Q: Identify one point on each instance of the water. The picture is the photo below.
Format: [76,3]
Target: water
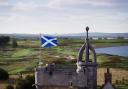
[120,50]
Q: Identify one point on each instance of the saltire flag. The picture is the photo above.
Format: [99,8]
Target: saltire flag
[48,41]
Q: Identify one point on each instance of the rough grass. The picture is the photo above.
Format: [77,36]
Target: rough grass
[28,51]
[122,86]
[112,61]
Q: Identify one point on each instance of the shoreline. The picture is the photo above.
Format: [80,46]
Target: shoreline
[116,45]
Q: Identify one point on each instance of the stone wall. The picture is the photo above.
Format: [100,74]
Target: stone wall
[59,88]
[60,78]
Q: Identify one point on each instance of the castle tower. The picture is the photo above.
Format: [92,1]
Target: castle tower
[85,77]
[89,66]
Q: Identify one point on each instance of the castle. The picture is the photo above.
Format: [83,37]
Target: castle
[83,77]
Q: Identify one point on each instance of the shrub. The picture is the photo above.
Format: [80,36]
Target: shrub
[26,83]
[3,74]
[20,84]
[9,87]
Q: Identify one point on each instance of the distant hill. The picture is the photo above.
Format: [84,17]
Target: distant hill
[72,35]
[96,35]
[22,36]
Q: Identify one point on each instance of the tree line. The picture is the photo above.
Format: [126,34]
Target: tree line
[4,41]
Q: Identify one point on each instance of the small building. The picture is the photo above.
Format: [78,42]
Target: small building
[108,80]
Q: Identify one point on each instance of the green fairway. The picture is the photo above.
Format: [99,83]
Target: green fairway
[22,52]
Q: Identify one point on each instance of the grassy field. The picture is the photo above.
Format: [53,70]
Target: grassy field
[24,58]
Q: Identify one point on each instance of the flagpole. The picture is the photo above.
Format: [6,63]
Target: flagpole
[40,52]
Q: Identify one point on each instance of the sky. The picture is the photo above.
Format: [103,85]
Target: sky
[63,16]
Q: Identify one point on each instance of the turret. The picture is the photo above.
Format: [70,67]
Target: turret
[87,47]
[88,66]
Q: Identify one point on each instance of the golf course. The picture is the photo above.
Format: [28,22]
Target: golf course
[24,58]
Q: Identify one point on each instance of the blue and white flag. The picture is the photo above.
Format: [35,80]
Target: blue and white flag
[48,41]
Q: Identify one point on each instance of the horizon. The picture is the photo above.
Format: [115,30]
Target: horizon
[63,16]
[65,33]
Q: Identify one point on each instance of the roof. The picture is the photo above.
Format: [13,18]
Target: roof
[108,85]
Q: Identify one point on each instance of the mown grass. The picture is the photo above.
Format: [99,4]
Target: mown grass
[22,52]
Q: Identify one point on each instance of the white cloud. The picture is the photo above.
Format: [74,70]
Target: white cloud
[62,3]
[21,6]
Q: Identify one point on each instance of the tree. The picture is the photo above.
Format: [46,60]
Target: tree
[26,83]
[14,43]
[3,74]
[120,37]
[4,40]
[99,38]
[29,80]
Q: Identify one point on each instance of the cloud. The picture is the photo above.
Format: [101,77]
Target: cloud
[62,3]
[61,14]
[3,1]
[21,6]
